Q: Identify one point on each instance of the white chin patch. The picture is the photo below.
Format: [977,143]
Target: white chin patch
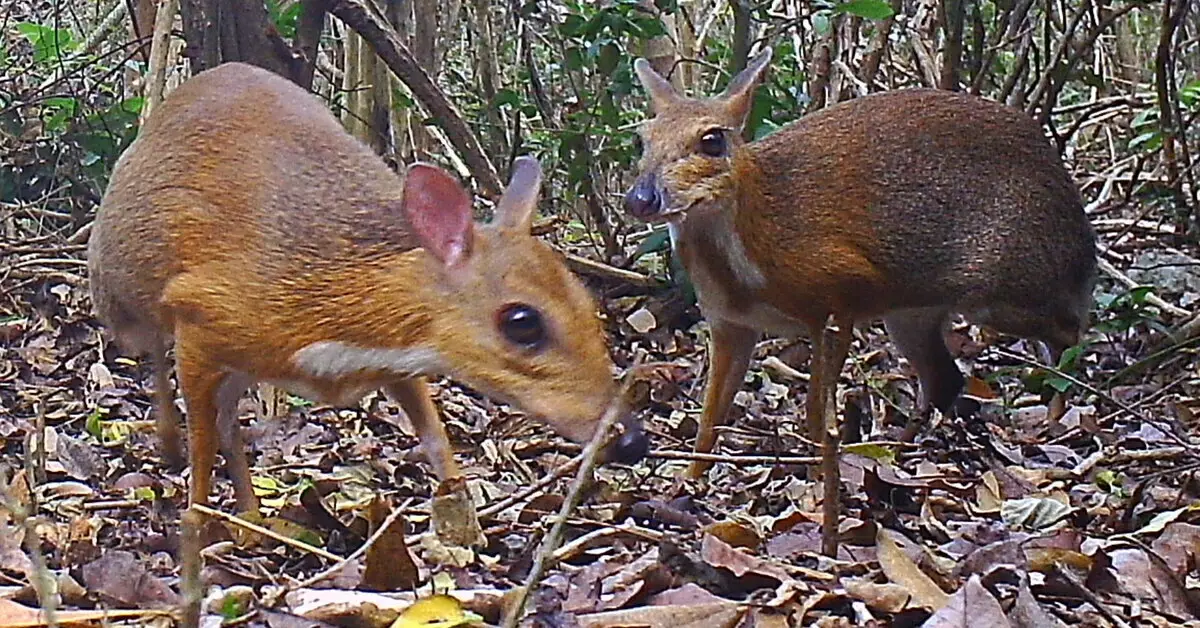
[331,359]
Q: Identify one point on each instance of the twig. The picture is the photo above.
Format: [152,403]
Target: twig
[667,454]
[580,544]
[160,44]
[511,500]
[585,266]
[333,569]
[242,523]
[1151,298]
[554,537]
[191,589]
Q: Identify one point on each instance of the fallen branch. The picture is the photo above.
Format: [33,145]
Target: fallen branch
[585,266]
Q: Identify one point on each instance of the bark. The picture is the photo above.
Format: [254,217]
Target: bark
[142,15]
[878,47]
[309,27]
[386,43]
[741,34]
[487,71]
[218,31]
[952,27]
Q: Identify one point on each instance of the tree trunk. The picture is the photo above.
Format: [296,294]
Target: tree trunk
[218,31]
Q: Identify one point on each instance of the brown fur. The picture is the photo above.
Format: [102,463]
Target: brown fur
[911,204]
[244,224]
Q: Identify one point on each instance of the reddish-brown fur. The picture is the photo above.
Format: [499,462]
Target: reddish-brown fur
[908,205]
[245,225]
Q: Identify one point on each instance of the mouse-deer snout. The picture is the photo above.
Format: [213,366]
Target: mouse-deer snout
[644,200]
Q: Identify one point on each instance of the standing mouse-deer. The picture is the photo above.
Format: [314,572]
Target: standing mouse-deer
[248,229]
[909,206]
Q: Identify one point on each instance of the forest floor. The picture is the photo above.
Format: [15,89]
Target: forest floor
[1005,519]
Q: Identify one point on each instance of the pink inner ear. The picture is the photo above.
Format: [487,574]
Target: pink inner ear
[439,211]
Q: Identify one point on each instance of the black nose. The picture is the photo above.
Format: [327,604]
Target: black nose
[643,200]
[631,446]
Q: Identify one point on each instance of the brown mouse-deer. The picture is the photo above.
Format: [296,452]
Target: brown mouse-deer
[908,206]
[248,229]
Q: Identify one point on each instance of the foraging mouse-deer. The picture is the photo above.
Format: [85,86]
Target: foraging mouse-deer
[248,229]
[909,205]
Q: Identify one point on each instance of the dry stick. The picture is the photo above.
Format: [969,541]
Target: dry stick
[554,537]
[667,454]
[511,500]
[190,587]
[242,523]
[1151,298]
[160,44]
[333,569]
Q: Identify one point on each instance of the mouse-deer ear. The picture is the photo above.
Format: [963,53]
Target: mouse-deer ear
[659,89]
[739,94]
[439,211]
[515,209]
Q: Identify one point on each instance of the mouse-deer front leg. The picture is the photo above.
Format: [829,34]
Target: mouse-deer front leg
[729,350]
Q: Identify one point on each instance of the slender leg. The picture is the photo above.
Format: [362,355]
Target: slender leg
[232,445]
[918,335]
[814,403]
[200,382]
[836,349]
[729,357]
[167,417]
[413,395]
[453,512]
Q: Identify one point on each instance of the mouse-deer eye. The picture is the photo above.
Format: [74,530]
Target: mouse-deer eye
[522,325]
[713,143]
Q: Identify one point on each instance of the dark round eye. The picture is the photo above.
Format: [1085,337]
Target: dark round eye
[522,325]
[712,143]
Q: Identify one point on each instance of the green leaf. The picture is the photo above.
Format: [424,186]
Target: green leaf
[871,450]
[572,25]
[869,9]
[608,58]
[820,21]
[573,59]
[656,242]
[1189,94]
[1061,384]
[506,97]
[92,424]
[49,44]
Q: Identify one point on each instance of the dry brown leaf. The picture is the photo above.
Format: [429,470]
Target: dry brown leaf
[735,534]
[389,565]
[1151,580]
[973,605]
[1027,613]
[119,578]
[901,570]
[454,517]
[718,553]
[720,615]
[1178,546]
[889,598]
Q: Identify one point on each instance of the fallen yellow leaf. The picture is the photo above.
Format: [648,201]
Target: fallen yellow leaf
[437,611]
